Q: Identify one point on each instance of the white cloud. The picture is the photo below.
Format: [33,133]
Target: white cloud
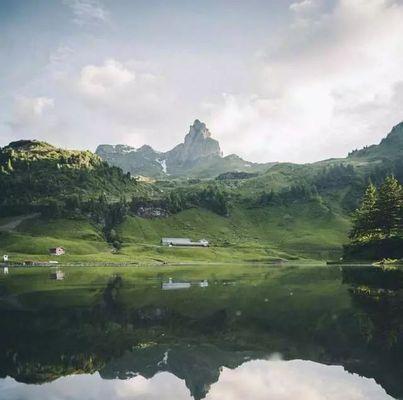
[128,98]
[33,107]
[100,80]
[303,6]
[114,102]
[88,12]
[316,82]
[29,113]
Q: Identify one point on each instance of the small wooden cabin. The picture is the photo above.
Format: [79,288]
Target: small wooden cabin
[57,251]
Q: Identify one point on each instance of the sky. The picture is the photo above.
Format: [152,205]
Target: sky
[274,80]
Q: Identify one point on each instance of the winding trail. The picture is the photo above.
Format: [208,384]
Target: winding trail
[10,226]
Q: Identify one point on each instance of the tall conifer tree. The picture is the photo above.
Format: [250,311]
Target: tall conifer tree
[389,206]
[366,216]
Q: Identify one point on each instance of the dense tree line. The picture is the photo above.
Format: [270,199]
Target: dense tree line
[210,197]
[380,214]
[108,215]
[336,176]
[286,196]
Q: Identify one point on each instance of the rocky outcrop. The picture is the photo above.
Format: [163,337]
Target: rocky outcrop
[142,161]
[198,144]
[151,212]
[199,155]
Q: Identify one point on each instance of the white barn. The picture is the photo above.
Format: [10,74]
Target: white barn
[183,242]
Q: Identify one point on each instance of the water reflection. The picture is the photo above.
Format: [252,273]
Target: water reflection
[258,380]
[113,333]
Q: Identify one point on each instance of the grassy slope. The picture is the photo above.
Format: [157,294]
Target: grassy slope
[33,238]
[256,234]
[302,229]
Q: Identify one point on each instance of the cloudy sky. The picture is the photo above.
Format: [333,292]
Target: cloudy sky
[274,80]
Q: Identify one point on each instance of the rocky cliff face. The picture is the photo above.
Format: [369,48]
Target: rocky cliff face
[197,147]
[198,155]
[198,144]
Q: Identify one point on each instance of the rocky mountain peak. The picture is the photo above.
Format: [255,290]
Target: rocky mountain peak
[145,148]
[198,131]
[198,144]
[198,148]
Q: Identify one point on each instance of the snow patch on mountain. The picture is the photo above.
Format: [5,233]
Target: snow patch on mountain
[163,164]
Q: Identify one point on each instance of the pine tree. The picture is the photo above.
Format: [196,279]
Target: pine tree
[389,206]
[365,217]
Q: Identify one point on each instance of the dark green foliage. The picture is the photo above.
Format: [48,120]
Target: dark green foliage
[236,175]
[389,205]
[366,216]
[391,279]
[210,197]
[35,176]
[380,212]
[377,224]
[300,193]
[336,176]
[374,249]
[108,216]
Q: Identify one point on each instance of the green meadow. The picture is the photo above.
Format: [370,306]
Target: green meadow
[246,235]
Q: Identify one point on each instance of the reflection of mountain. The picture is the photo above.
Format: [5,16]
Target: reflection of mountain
[198,365]
[256,379]
[130,330]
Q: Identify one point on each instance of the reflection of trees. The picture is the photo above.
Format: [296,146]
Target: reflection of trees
[387,278]
[377,298]
[42,345]
[129,331]
[378,294]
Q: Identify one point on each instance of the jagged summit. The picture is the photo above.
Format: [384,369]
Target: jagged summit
[196,130]
[199,151]
[198,144]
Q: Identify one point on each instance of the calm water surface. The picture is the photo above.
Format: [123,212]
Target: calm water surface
[222,332]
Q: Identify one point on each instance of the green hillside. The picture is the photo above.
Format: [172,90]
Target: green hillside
[36,176]
[303,231]
[98,213]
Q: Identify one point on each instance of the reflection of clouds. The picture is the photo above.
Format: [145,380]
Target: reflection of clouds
[276,380]
[163,386]
[291,380]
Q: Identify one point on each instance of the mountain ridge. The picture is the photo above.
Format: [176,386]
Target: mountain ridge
[198,156]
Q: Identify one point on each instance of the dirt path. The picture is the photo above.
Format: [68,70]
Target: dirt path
[10,226]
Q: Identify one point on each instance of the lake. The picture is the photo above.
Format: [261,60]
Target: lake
[201,332]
